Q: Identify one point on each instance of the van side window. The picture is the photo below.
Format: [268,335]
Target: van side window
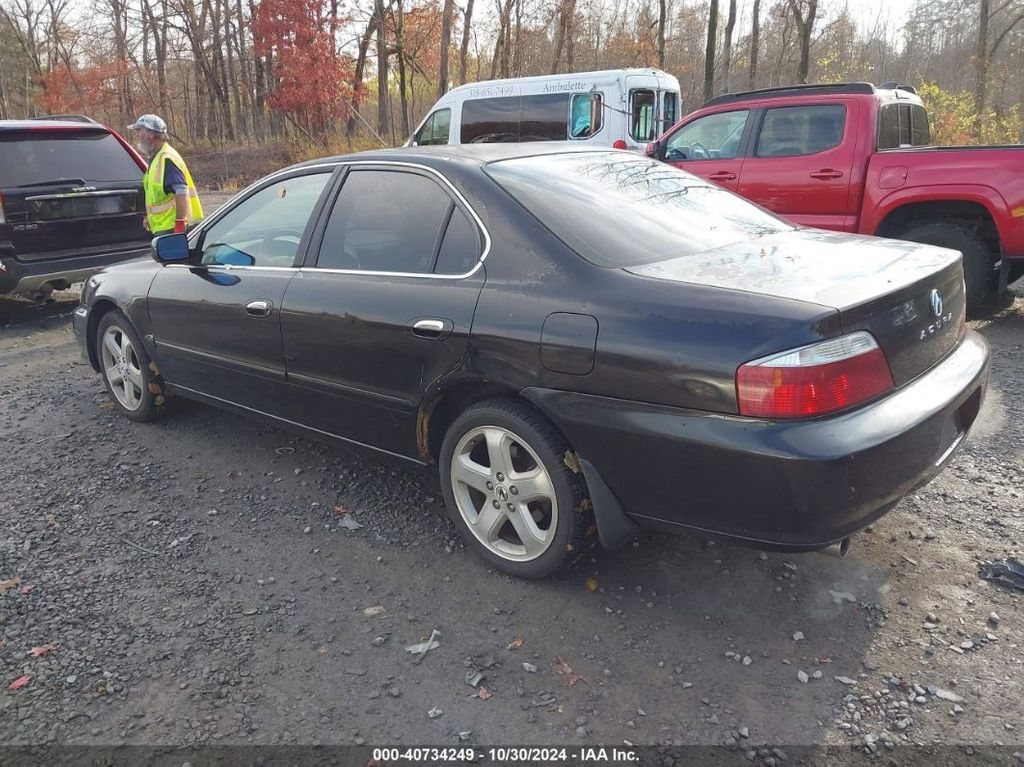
[587,115]
[642,119]
[669,111]
[543,117]
[435,129]
[490,121]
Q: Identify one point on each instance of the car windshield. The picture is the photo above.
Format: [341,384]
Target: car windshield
[617,209]
[32,156]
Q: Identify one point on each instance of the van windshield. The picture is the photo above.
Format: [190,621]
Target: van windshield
[617,209]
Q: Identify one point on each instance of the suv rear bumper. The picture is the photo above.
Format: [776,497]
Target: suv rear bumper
[30,276]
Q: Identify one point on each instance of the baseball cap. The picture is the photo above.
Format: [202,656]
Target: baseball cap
[150,122]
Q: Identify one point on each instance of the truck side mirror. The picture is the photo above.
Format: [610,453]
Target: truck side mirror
[655,150]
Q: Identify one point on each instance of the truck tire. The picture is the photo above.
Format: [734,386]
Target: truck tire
[979,274]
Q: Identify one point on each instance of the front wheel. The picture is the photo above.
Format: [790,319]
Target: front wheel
[126,369]
[511,485]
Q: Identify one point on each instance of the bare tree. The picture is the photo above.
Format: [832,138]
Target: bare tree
[709,51]
[464,47]
[446,42]
[662,23]
[804,14]
[755,42]
[730,25]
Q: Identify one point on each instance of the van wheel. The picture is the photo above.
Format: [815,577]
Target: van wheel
[979,275]
[125,367]
[510,489]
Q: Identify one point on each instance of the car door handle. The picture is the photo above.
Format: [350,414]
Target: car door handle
[431,329]
[722,175]
[259,308]
[827,174]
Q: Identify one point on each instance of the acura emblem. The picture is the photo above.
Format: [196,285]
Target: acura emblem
[936,300]
[502,494]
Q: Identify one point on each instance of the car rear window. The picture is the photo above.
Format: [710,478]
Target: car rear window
[31,157]
[617,209]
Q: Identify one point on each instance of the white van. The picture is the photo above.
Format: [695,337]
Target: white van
[626,108]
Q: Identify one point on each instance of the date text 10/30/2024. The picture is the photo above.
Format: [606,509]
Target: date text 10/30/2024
[505,754]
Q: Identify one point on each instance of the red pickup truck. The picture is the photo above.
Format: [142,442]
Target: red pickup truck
[856,158]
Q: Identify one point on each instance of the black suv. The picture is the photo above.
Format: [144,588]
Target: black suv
[71,203]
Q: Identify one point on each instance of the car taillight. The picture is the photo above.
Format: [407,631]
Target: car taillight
[814,380]
[2,219]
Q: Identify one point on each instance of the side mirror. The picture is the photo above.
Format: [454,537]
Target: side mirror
[655,150]
[171,249]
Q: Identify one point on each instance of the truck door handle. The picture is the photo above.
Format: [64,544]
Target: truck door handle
[431,329]
[259,308]
[827,174]
[722,175]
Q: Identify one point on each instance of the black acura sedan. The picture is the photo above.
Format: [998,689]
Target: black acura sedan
[577,339]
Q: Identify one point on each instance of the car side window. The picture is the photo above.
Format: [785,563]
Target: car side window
[460,247]
[266,228]
[800,131]
[384,221]
[642,118]
[713,137]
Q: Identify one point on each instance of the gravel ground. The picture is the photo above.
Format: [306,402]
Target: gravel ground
[208,579]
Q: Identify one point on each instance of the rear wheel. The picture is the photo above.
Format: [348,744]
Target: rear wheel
[979,275]
[125,366]
[509,488]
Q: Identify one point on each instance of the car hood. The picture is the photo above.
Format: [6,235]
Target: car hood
[837,270]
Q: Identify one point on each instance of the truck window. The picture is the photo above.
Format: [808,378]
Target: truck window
[642,118]
[889,126]
[544,117]
[587,115]
[669,110]
[799,131]
[435,129]
[713,137]
[903,125]
[490,121]
[920,135]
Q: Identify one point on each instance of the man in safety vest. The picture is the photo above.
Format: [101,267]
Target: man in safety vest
[172,203]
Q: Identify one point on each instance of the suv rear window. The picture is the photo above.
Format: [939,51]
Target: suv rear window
[618,210]
[30,157]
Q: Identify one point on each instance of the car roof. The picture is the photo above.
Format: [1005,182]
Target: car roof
[472,154]
[44,125]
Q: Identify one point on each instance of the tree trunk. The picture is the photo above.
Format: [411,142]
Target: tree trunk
[357,78]
[383,118]
[709,51]
[805,28]
[464,48]
[662,23]
[446,42]
[730,25]
[755,43]
[400,52]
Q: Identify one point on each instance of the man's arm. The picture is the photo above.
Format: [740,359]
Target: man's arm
[174,181]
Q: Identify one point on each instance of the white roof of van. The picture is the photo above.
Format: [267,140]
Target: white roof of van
[600,74]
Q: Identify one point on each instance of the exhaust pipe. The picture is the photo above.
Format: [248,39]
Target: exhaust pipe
[838,550]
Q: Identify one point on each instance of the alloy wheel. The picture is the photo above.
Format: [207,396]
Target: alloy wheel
[121,367]
[504,493]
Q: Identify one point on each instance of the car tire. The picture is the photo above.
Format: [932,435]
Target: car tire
[512,487]
[126,368]
[979,275]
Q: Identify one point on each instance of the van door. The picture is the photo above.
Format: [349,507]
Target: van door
[642,100]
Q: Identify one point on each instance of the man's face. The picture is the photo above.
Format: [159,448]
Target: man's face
[146,141]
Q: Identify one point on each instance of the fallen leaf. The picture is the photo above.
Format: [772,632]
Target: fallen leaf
[321,651]
[516,643]
[7,585]
[108,405]
[20,682]
[373,612]
[339,509]
[483,693]
[592,584]
[561,667]
[27,589]
[35,652]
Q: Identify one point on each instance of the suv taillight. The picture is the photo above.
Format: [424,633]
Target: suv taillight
[2,219]
[814,380]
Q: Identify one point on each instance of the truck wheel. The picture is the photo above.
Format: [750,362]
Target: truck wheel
[979,275]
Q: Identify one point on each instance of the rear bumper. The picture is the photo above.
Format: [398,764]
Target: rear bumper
[795,485]
[29,276]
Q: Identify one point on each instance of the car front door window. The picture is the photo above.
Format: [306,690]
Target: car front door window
[266,228]
[714,137]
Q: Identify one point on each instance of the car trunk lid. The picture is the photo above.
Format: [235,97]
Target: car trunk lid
[69,190]
[909,296]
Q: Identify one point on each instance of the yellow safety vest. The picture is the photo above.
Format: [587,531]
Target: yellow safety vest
[160,207]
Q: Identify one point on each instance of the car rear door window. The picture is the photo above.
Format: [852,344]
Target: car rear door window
[266,228]
[713,137]
[384,221]
[32,157]
[800,131]
[460,246]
